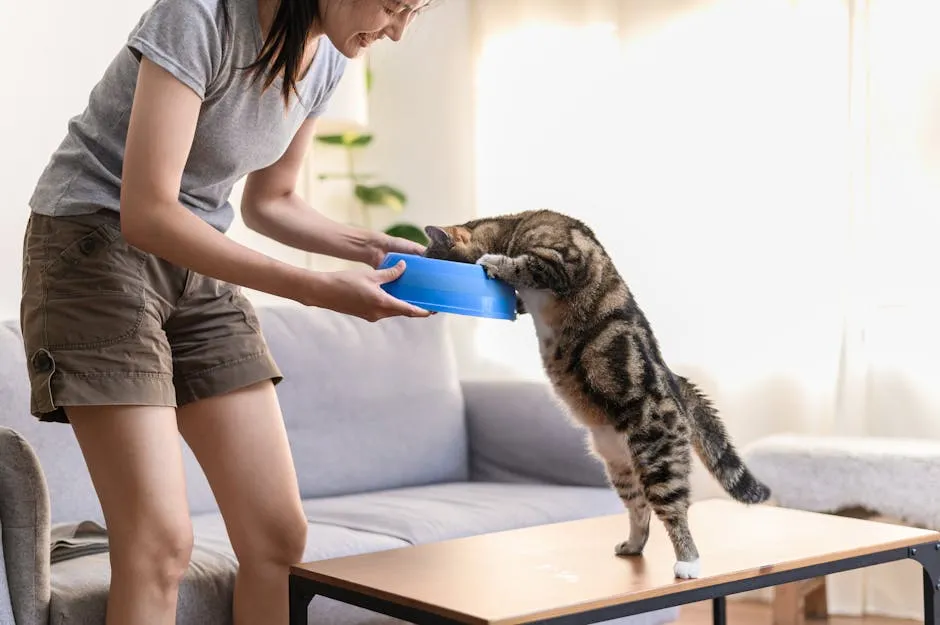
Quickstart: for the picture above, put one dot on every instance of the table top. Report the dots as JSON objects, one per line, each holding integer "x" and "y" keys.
{"x": 516, "y": 576}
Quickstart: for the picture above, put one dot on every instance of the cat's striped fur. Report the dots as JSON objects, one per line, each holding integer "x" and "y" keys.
{"x": 605, "y": 364}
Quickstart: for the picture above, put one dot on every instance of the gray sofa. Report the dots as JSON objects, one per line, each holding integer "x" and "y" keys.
{"x": 392, "y": 449}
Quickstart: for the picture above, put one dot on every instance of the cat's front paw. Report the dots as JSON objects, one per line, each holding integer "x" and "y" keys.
{"x": 495, "y": 265}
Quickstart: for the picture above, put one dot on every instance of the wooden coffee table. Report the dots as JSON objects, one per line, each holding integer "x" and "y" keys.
{"x": 567, "y": 573}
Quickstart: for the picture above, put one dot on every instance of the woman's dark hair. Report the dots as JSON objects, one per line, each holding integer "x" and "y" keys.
{"x": 283, "y": 49}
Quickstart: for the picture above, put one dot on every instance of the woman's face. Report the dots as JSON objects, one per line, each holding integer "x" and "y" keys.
{"x": 353, "y": 25}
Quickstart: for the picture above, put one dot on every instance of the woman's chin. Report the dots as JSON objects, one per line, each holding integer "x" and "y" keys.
{"x": 351, "y": 48}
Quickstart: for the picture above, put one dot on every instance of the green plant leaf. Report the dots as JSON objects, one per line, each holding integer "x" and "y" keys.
{"x": 345, "y": 176}
{"x": 408, "y": 231}
{"x": 361, "y": 141}
{"x": 347, "y": 139}
{"x": 381, "y": 195}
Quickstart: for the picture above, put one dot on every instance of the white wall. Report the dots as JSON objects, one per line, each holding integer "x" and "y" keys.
{"x": 54, "y": 51}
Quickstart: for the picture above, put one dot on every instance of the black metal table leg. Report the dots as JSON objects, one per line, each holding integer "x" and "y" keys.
{"x": 300, "y": 598}
{"x": 929, "y": 557}
{"x": 931, "y": 604}
{"x": 719, "y": 611}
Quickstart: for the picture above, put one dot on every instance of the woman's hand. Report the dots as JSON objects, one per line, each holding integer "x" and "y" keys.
{"x": 359, "y": 293}
{"x": 381, "y": 244}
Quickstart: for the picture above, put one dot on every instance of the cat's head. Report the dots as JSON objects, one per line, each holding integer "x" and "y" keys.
{"x": 467, "y": 242}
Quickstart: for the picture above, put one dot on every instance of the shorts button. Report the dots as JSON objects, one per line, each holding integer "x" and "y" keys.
{"x": 42, "y": 362}
{"x": 87, "y": 246}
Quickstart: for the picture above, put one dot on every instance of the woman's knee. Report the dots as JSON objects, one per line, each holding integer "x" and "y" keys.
{"x": 279, "y": 540}
{"x": 290, "y": 548}
{"x": 157, "y": 550}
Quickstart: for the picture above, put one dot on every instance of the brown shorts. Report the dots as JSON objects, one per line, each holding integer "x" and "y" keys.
{"x": 107, "y": 324}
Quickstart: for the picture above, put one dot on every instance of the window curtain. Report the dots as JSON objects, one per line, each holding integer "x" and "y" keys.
{"x": 765, "y": 174}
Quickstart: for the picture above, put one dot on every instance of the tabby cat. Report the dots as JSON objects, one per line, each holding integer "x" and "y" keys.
{"x": 605, "y": 364}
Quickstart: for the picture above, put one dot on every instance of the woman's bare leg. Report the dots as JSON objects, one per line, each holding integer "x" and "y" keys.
{"x": 135, "y": 462}
{"x": 240, "y": 441}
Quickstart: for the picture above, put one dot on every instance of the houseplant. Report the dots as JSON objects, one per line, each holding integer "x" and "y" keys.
{"x": 370, "y": 195}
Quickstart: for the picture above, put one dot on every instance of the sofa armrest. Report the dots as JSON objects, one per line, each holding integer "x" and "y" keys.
{"x": 6, "y": 608}
{"x": 519, "y": 432}
{"x": 24, "y": 529}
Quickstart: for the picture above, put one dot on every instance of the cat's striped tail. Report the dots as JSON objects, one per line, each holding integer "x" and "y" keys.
{"x": 717, "y": 452}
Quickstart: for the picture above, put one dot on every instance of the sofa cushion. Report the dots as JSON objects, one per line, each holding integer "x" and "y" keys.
{"x": 367, "y": 405}
{"x": 80, "y": 585}
{"x": 520, "y": 431}
{"x": 444, "y": 511}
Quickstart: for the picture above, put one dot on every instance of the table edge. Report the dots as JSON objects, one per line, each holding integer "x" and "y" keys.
{"x": 925, "y": 538}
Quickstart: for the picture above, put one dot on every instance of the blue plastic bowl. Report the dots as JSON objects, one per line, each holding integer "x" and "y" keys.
{"x": 450, "y": 287}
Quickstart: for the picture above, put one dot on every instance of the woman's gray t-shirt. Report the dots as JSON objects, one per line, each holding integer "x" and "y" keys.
{"x": 240, "y": 129}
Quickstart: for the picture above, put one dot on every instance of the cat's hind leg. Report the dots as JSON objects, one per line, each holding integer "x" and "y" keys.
{"x": 663, "y": 457}
{"x": 611, "y": 447}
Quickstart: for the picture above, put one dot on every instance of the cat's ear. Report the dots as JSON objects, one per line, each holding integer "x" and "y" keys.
{"x": 438, "y": 235}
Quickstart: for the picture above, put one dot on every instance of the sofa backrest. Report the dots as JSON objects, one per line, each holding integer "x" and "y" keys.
{"x": 367, "y": 407}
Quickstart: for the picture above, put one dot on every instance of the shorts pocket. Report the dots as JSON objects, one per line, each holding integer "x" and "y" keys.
{"x": 84, "y": 260}
{"x": 83, "y": 321}
{"x": 86, "y": 287}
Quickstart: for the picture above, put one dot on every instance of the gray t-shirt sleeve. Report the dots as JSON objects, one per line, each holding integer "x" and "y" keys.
{"x": 183, "y": 37}
{"x": 336, "y": 67}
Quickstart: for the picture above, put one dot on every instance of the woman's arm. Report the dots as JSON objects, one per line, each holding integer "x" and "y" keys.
{"x": 160, "y": 133}
{"x": 271, "y": 206}
{"x": 162, "y": 125}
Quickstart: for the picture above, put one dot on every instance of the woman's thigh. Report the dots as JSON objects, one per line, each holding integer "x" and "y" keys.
{"x": 135, "y": 461}
{"x": 241, "y": 443}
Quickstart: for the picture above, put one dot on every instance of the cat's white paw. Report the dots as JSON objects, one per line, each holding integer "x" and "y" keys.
{"x": 492, "y": 263}
{"x": 688, "y": 570}
{"x": 629, "y": 548}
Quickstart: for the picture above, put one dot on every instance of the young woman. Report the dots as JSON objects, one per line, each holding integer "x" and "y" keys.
{"x": 133, "y": 320}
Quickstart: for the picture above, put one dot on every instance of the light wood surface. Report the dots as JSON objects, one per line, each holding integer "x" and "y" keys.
{"x": 516, "y": 576}
{"x": 755, "y": 613}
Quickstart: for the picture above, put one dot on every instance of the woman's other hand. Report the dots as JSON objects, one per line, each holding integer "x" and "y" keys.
{"x": 382, "y": 244}
{"x": 359, "y": 293}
